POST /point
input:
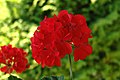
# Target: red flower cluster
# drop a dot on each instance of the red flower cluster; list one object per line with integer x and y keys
{"x": 13, "y": 58}
{"x": 53, "y": 38}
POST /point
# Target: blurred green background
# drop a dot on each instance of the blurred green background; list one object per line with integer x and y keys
{"x": 20, "y": 18}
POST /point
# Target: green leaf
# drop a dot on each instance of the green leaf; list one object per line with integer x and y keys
{"x": 11, "y": 77}
{"x": 61, "y": 78}
{"x": 53, "y": 78}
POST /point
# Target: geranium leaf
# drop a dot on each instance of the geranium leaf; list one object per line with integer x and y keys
{"x": 11, "y": 77}
{"x": 53, "y": 78}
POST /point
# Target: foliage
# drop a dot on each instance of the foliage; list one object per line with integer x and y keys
{"x": 11, "y": 77}
{"x": 20, "y": 18}
{"x": 53, "y": 78}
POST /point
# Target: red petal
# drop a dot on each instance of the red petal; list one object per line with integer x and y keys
{"x": 50, "y": 61}
{"x": 6, "y": 69}
{"x": 38, "y": 35}
{"x": 67, "y": 37}
{"x": 78, "y": 19}
{"x": 82, "y": 52}
{"x": 57, "y": 61}
{"x": 2, "y": 60}
{"x": 20, "y": 64}
{"x": 63, "y": 12}
{"x": 64, "y": 17}
{"x": 64, "y": 48}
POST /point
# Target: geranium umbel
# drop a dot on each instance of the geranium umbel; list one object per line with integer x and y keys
{"x": 53, "y": 39}
{"x": 13, "y": 59}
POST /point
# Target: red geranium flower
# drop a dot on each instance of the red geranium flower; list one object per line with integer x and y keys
{"x": 77, "y": 32}
{"x": 53, "y": 38}
{"x": 13, "y": 58}
{"x": 43, "y": 49}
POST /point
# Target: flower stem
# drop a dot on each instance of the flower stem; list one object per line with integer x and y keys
{"x": 40, "y": 74}
{"x": 71, "y": 75}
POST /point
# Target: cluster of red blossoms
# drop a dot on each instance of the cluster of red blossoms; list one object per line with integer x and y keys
{"x": 13, "y": 58}
{"x": 53, "y": 39}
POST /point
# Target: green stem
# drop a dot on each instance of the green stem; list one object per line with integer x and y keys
{"x": 71, "y": 75}
{"x": 40, "y": 74}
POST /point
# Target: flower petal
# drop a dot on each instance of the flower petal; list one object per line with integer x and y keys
{"x": 82, "y": 52}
